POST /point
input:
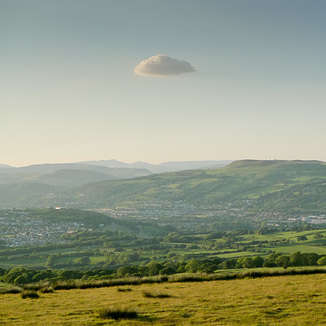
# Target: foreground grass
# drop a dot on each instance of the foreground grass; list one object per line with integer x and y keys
{"x": 284, "y": 300}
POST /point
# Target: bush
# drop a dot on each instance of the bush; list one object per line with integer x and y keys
{"x": 117, "y": 313}
{"x": 30, "y": 294}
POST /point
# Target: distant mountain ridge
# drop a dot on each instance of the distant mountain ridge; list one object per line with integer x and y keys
{"x": 2, "y": 166}
{"x": 162, "y": 167}
{"x": 37, "y": 184}
{"x": 275, "y": 186}
{"x": 74, "y": 174}
{"x": 286, "y": 186}
{"x": 271, "y": 186}
{"x": 103, "y": 165}
{"x": 66, "y": 174}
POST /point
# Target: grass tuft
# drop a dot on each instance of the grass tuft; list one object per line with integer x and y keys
{"x": 117, "y": 313}
{"x": 149, "y": 294}
{"x": 29, "y": 294}
{"x": 47, "y": 289}
{"x": 11, "y": 290}
{"x": 124, "y": 289}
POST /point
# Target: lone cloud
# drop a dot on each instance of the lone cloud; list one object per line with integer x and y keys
{"x": 162, "y": 65}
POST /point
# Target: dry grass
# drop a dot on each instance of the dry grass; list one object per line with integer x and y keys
{"x": 284, "y": 300}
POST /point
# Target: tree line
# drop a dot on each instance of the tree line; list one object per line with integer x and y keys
{"x": 21, "y": 275}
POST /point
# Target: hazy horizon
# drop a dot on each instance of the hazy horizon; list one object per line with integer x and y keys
{"x": 157, "y": 81}
{"x": 154, "y": 163}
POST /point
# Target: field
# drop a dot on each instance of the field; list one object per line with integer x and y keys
{"x": 282, "y": 300}
{"x": 253, "y": 244}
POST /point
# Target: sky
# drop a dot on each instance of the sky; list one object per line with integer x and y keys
{"x": 158, "y": 81}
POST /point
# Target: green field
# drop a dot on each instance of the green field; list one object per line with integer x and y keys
{"x": 233, "y": 246}
{"x": 283, "y": 300}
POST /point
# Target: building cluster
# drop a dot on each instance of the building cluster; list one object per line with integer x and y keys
{"x": 19, "y": 229}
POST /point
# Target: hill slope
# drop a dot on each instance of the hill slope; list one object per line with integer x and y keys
{"x": 34, "y": 185}
{"x": 296, "y": 186}
{"x": 23, "y": 194}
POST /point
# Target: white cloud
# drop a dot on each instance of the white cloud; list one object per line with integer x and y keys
{"x": 162, "y": 65}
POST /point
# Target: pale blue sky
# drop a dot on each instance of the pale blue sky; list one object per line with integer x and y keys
{"x": 68, "y": 91}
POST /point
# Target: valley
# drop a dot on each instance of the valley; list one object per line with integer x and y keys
{"x": 250, "y": 219}
{"x": 213, "y": 216}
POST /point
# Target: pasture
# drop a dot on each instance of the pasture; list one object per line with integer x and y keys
{"x": 282, "y": 300}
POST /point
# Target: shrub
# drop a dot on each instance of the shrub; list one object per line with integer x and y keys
{"x": 30, "y": 294}
{"x": 117, "y": 313}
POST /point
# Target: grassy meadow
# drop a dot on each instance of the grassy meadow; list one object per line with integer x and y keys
{"x": 283, "y": 300}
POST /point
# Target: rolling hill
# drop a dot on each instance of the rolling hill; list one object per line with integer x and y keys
{"x": 296, "y": 186}
{"x": 283, "y": 186}
{"x": 33, "y": 185}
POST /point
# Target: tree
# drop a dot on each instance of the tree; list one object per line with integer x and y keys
{"x": 172, "y": 237}
{"x": 208, "y": 267}
{"x": 13, "y": 274}
{"x": 21, "y": 279}
{"x": 239, "y": 262}
{"x": 229, "y": 264}
{"x": 214, "y": 235}
{"x": 70, "y": 275}
{"x": 244, "y": 262}
{"x": 296, "y": 259}
{"x": 154, "y": 268}
{"x": 270, "y": 260}
{"x": 318, "y": 236}
{"x": 182, "y": 267}
{"x": 247, "y": 262}
{"x": 130, "y": 257}
{"x": 171, "y": 255}
{"x": 84, "y": 260}
{"x": 50, "y": 262}
{"x": 311, "y": 258}
{"x": 192, "y": 266}
{"x": 43, "y": 275}
{"x": 126, "y": 270}
{"x": 258, "y": 261}
{"x": 282, "y": 260}
{"x": 167, "y": 271}
{"x": 322, "y": 261}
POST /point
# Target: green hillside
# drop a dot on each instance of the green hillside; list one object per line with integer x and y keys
{"x": 288, "y": 186}
{"x": 34, "y": 185}
{"x": 66, "y": 177}
{"x": 23, "y": 194}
